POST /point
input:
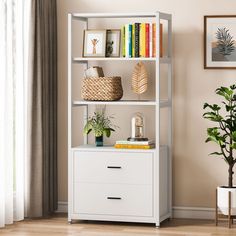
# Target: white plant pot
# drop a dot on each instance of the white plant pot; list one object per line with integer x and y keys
{"x": 223, "y": 200}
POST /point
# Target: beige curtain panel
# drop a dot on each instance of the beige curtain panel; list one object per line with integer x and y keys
{"x": 41, "y": 174}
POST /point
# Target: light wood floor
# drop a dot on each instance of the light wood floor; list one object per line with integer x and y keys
{"x": 58, "y": 226}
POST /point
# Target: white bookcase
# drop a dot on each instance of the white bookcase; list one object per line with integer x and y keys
{"x": 126, "y": 185}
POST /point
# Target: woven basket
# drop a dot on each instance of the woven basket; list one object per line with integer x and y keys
{"x": 102, "y": 88}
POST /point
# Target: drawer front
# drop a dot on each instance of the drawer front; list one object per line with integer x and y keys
{"x": 107, "y": 199}
{"x": 113, "y": 167}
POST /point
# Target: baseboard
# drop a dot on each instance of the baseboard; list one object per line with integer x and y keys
{"x": 62, "y": 207}
{"x": 178, "y": 212}
{"x": 193, "y": 212}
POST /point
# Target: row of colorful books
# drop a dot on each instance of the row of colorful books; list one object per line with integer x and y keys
{"x": 139, "y": 40}
{"x": 135, "y": 144}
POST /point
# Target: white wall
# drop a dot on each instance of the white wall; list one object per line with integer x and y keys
{"x": 195, "y": 174}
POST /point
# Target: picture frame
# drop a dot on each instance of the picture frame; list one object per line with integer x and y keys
{"x": 94, "y": 44}
{"x": 220, "y": 42}
{"x": 113, "y": 43}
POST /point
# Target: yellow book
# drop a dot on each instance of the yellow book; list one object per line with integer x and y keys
{"x": 142, "y": 41}
{"x": 131, "y": 146}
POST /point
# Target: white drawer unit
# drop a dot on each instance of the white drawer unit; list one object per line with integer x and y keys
{"x": 113, "y": 167}
{"x": 113, "y": 199}
{"x": 118, "y": 185}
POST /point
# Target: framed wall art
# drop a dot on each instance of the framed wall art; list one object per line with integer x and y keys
{"x": 113, "y": 43}
{"x": 94, "y": 43}
{"x": 220, "y": 42}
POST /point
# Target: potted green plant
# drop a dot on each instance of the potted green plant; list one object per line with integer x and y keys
{"x": 223, "y": 133}
{"x": 99, "y": 125}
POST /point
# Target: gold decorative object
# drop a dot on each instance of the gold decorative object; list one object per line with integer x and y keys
{"x": 139, "y": 79}
{"x": 137, "y": 126}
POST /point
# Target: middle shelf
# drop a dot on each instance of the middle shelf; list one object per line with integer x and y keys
{"x": 162, "y": 103}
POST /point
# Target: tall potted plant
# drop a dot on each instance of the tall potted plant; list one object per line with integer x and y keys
{"x": 223, "y": 133}
{"x": 100, "y": 125}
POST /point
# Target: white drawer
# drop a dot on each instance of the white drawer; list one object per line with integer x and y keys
{"x": 113, "y": 167}
{"x": 116, "y": 199}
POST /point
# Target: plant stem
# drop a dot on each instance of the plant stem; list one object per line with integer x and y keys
{"x": 231, "y": 151}
{"x": 230, "y": 183}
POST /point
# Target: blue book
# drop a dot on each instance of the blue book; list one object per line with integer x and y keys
{"x": 128, "y": 40}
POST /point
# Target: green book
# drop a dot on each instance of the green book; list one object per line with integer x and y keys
{"x": 123, "y": 41}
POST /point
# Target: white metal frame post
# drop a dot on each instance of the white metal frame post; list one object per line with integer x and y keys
{"x": 157, "y": 107}
{"x": 86, "y": 106}
{"x": 170, "y": 118}
{"x": 69, "y": 113}
{"x": 70, "y": 103}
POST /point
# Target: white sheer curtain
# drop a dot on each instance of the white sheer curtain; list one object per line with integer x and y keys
{"x": 13, "y": 37}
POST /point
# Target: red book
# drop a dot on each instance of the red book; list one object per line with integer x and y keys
{"x": 147, "y": 40}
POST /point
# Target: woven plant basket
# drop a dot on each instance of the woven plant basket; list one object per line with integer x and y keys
{"x": 102, "y": 88}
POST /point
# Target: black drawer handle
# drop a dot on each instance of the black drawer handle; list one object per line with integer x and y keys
{"x": 114, "y": 198}
{"x": 114, "y": 167}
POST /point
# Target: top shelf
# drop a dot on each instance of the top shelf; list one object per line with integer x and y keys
{"x": 162, "y": 15}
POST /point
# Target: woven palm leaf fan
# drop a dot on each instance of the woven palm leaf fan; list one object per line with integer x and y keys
{"x": 139, "y": 79}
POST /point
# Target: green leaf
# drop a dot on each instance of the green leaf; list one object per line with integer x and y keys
{"x": 213, "y": 116}
{"x": 230, "y": 107}
{"x": 234, "y": 136}
{"x": 233, "y": 146}
{"x": 233, "y": 87}
{"x": 213, "y": 107}
{"x": 215, "y": 136}
{"x": 205, "y": 105}
{"x": 216, "y": 153}
{"x": 87, "y": 128}
{"x": 213, "y": 130}
{"x": 107, "y": 132}
{"x": 211, "y": 139}
{"x": 234, "y": 97}
{"x": 225, "y": 92}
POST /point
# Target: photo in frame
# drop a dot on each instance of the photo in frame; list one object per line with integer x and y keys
{"x": 220, "y": 42}
{"x": 94, "y": 43}
{"x": 113, "y": 43}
